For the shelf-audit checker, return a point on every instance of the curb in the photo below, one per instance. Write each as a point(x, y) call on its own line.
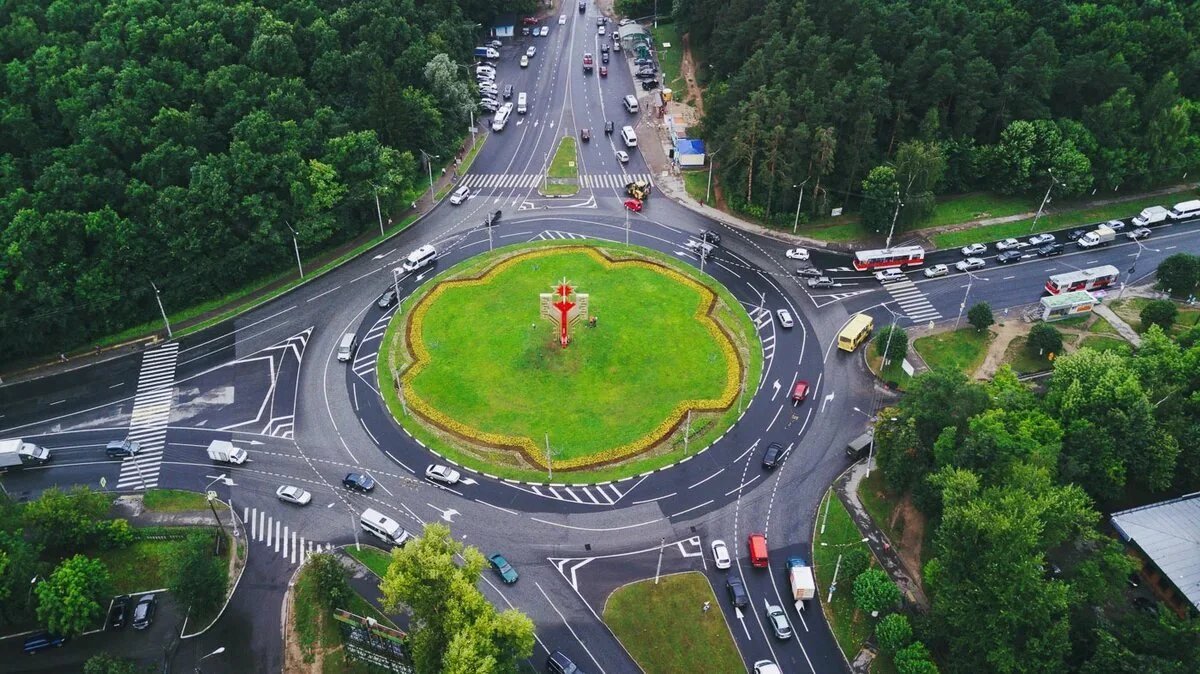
point(233, 590)
point(830, 491)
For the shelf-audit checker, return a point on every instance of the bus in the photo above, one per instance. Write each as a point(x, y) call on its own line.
point(857, 329)
point(1084, 279)
point(870, 260)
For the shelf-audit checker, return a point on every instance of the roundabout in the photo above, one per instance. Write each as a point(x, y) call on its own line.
point(478, 372)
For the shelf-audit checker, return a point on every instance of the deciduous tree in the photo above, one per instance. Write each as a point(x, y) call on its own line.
point(69, 601)
point(874, 591)
point(980, 316)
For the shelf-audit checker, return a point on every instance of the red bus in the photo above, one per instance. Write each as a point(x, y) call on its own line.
point(869, 260)
point(1084, 279)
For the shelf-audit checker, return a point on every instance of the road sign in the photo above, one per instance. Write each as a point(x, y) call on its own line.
point(212, 495)
point(103, 482)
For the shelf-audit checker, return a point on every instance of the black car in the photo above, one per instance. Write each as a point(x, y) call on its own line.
point(143, 613)
point(1008, 256)
point(358, 482)
point(41, 641)
point(646, 76)
point(119, 449)
point(1050, 250)
point(809, 272)
point(387, 299)
point(647, 85)
point(585, 134)
point(119, 613)
point(709, 236)
point(508, 91)
point(493, 219)
point(608, 128)
point(643, 61)
point(1074, 234)
point(558, 662)
point(604, 48)
point(773, 455)
point(604, 57)
point(737, 592)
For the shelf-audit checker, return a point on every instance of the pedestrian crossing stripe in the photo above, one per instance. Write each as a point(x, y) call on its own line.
point(530, 180)
point(596, 494)
point(912, 300)
point(148, 418)
point(259, 527)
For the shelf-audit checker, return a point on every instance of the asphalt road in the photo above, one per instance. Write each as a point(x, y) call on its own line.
point(270, 381)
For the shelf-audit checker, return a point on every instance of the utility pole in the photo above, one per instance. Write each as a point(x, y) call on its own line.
point(378, 211)
point(961, 307)
point(626, 226)
point(687, 432)
point(162, 311)
point(429, 165)
point(1045, 200)
point(296, 245)
point(895, 216)
point(796, 222)
point(708, 192)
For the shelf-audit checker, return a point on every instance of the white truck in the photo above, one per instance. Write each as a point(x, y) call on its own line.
point(800, 576)
point(1154, 215)
point(1101, 236)
point(223, 450)
point(16, 453)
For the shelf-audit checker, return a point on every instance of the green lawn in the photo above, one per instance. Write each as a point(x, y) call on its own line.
point(317, 630)
point(894, 372)
point(962, 349)
point(850, 627)
point(565, 163)
point(1048, 222)
point(664, 629)
point(976, 206)
point(670, 59)
point(544, 361)
point(839, 233)
point(497, 365)
point(176, 500)
point(1105, 344)
point(696, 183)
point(143, 565)
point(1101, 327)
point(1024, 362)
point(375, 559)
point(565, 189)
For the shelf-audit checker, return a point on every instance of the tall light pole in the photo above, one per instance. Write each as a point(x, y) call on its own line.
point(296, 245)
point(970, 278)
point(796, 222)
point(895, 216)
point(708, 192)
point(1045, 200)
point(429, 165)
point(1134, 265)
point(162, 311)
point(378, 210)
point(219, 651)
point(211, 496)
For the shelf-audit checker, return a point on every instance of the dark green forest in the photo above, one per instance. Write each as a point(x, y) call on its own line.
point(178, 142)
point(926, 97)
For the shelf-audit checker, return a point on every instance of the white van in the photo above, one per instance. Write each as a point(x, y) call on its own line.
point(1186, 210)
point(501, 117)
point(521, 103)
point(420, 257)
point(629, 136)
point(383, 527)
point(631, 103)
point(345, 348)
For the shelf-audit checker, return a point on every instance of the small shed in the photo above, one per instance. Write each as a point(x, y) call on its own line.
point(634, 36)
point(689, 152)
point(504, 25)
point(1066, 305)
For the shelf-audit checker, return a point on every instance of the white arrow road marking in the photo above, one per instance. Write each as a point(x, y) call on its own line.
point(775, 385)
point(827, 399)
point(467, 480)
point(742, 619)
point(255, 442)
point(383, 255)
point(447, 514)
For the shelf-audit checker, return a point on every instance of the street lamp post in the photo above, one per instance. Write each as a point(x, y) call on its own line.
point(212, 496)
point(796, 222)
point(158, 298)
point(429, 165)
point(970, 279)
point(1045, 200)
point(1133, 266)
point(708, 192)
point(219, 651)
point(296, 245)
point(378, 210)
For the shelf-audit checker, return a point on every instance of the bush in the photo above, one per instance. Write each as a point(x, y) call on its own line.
point(891, 343)
point(1179, 273)
point(893, 632)
point(69, 600)
point(197, 577)
point(1161, 313)
point(875, 592)
point(103, 663)
point(914, 659)
point(981, 316)
point(116, 534)
point(1189, 337)
point(65, 521)
point(1044, 339)
point(331, 579)
point(854, 562)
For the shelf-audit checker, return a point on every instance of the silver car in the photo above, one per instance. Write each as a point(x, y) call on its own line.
point(779, 622)
point(293, 494)
point(970, 264)
point(444, 474)
point(820, 282)
point(785, 318)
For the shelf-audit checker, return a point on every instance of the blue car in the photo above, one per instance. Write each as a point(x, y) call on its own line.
point(503, 569)
point(41, 641)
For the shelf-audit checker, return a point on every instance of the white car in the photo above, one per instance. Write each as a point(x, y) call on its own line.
point(785, 318)
point(600, 31)
point(936, 270)
point(797, 254)
point(969, 264)
point(820, 282)
point(623, 156)
point(766, 667)
point(1041, 239)
point(888, 275)
point(1116, 225)
point(973, 249)
point(531, 52)
point(524, 61)
point(720, 553)
point(443, 474)
point(545, 31)
point(460, 195)
point(293, 495)
point(562, 19)
point(1139, 233)
point(1008, 244)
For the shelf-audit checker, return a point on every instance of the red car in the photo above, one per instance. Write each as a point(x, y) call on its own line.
point(799, 393)
point(603, 71)
point(634, 205)
point(529, 21)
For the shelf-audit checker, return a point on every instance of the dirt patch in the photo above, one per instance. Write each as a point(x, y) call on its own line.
point(1004, 333)
point(688, 72)
point(293, 655)
point(909, 524)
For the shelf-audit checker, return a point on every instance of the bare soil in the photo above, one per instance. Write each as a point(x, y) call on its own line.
point(909, 524)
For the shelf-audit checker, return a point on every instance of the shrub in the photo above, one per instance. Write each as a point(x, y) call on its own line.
point(893, 632)
point(914, 659)
point(331, 579)
point(1044, 339)
point(116, 534)
point(874, 591)
point(1179, 273)
point(854, 562)
point(981, 316)
point(1161, 313)
point(891, 343)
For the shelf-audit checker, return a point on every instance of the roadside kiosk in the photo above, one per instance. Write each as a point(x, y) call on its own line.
point(1066, 305)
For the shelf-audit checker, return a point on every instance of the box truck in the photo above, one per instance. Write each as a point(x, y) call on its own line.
point(223, 450)
point(800, 577)
point(16, 453)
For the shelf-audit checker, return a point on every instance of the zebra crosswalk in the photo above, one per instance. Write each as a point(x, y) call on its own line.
point(594, 494)
point(530, 180)
point(278, 537)
point(762, 320)
point(148, 420)
point(914, 303)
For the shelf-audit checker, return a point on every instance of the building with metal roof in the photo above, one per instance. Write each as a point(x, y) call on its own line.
point(1167, 536)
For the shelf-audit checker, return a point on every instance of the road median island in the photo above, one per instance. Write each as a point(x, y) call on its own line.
point(562, 178)
point(835, 535)
point(666, 629)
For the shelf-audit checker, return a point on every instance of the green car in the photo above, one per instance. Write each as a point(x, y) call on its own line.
point(503, 569)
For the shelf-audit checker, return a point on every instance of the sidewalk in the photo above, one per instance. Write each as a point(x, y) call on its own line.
point(846, 487)
point(1123, 329)
point(81, 358)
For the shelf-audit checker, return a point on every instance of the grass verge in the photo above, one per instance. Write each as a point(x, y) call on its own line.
point(373, 558)
point(1022, 361)
point(1060, 220)
point(963, 349)
point(646, 617)
point(850, 627)
point(967, 207)
point(894, 372)
point(143, 565)
point(696, 184)
point(564, 189)
point(565, 163)
point(317, 631)
point(670, 59)
point(175, 500)
point(1104, 344)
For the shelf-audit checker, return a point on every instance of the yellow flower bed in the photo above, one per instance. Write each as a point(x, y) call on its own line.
point(528, 448)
